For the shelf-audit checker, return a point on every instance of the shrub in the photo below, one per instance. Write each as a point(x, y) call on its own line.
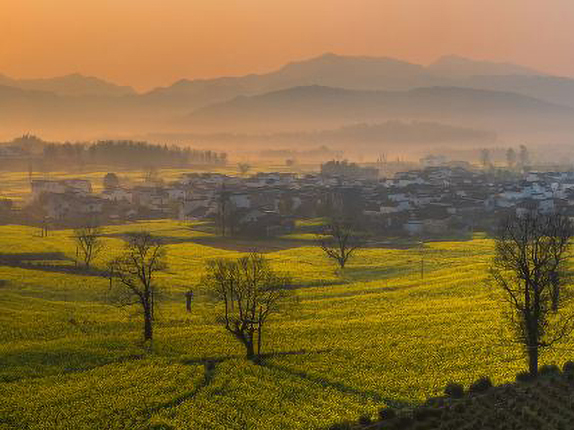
point(568, 367)
point(404, 422)
point(481, 385)
point(365, 420)
point(459, 408)
point(422, 414)
point(387, 414)
point(524, 377)
point(454, 390)
point(549, 369)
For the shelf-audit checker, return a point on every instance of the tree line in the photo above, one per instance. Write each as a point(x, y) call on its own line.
point(128, 154)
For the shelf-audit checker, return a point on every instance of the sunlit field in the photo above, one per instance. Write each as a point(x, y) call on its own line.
point(381, 333)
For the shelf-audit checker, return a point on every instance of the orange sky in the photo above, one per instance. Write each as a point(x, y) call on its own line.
point(147, 43)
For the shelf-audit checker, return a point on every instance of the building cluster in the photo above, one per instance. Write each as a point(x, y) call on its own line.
point(430, 201)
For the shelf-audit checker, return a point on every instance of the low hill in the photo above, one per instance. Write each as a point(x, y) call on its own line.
point(323, 107)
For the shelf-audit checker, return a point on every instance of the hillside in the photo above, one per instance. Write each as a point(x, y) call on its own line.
point(545, 403)
point(380, 336)
point(323, 107)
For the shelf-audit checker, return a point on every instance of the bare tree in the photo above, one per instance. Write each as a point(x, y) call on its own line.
point(88, 243)
point(523, 157)
point(485, 158)
point(531, 253)
point(134, 273)
point(339, 241)
point(225, 220)
point(250, 292)
point(511, 158)
point(244, 168)
point(111, 181)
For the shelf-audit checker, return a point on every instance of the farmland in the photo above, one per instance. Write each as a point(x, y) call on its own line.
point(379, 334)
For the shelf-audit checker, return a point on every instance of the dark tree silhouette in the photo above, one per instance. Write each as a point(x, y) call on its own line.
point(530, 260)
point(510, 158)
point(111, 181)
point(244, 168)
point(225, 221)
point(250, 292)
point(523, 157)
point(485, 160)
point(134, 272)
point(339, 241)
point(89, 243)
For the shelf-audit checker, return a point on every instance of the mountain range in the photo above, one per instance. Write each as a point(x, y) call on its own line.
point(329, 91)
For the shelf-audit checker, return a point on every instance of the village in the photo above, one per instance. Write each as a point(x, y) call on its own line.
point(431, 201)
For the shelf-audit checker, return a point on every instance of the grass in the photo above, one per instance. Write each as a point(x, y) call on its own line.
point(373, 336)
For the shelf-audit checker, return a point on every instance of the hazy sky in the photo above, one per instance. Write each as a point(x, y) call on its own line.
point(155, 42)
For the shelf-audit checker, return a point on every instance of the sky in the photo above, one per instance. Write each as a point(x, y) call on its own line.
point(148, 43)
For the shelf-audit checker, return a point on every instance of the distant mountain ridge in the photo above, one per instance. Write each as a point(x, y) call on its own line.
point(325, 92)
point(70, 85)
point(366, 73)
point(460, 67)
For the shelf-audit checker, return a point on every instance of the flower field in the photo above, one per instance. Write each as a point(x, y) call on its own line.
point(378, 335)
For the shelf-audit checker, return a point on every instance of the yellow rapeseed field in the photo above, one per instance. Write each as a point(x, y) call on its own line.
point(378, 334)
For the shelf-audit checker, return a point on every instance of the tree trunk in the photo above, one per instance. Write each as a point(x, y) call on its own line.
point(249, 350)
point(533, 360)
point(148, 328)
point(259, 336)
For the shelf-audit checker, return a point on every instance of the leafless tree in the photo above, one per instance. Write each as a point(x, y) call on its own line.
point(485, 158)
point(250, 292)
point(226, 219)
point(523, 157)
point(134, 272)
point(339, 241)
point(510, 158)
point(88, 243)
point(244, 168)
point(529, 267)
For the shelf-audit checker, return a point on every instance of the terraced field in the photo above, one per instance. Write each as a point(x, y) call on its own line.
point(543, 404)
point(375, 336)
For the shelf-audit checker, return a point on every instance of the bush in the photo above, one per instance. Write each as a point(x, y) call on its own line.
point(549, 369)
point(365, 420)
point(481, 385)
point(387, 414)
point(404, 422)
point(454, 390)
point(422, 414)
point(568, 367)
point(524, 377)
